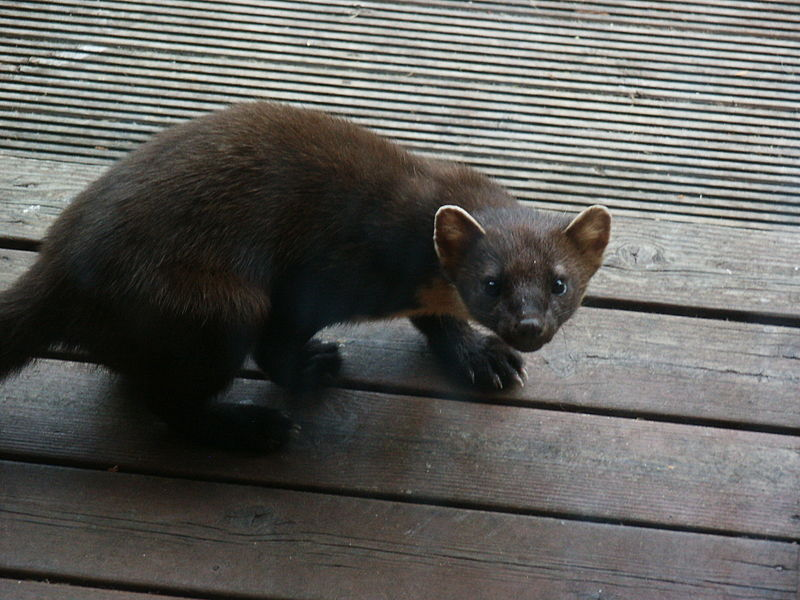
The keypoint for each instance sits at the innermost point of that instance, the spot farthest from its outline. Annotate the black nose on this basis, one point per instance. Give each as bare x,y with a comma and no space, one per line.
530,327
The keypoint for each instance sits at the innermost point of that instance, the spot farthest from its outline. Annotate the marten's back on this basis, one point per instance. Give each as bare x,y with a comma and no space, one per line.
231,198
264,172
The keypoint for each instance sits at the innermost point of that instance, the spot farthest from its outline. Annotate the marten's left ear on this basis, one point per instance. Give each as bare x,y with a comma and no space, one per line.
454,231
590,232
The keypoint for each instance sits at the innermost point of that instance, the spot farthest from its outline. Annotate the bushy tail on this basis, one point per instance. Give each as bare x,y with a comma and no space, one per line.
28,319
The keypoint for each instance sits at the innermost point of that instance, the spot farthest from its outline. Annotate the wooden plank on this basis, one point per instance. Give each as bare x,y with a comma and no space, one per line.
550,126
534,144
670,192
718,197
726,115
20,589
528,174
538,145
542,153
438,56
656,261
649,261
629,363
602,360
757,88
581,15
473,140
203,538
744,18
427,20
425,449
607,102
549,186
31,199
446,72
542,66
768,127
735,78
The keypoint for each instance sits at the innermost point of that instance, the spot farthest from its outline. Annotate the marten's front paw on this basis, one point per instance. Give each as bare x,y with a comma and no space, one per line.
491,364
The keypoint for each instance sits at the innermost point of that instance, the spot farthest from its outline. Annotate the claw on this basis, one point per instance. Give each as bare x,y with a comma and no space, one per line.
498,383
519,380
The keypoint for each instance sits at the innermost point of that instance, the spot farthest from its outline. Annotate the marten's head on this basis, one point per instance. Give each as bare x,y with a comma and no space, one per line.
519,272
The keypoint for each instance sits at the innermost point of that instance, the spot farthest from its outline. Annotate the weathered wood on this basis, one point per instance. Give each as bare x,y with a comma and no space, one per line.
769,19
667,263
766,138
709,81
536,174
760,104
624,187
249,541
727,96
650,365
602,359
418,448
701,158
741,123
491,29
19,589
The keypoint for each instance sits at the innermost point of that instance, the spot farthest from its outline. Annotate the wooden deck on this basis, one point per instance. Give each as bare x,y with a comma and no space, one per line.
654,454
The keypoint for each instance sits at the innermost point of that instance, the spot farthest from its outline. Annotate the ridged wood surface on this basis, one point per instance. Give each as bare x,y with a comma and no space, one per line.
565,102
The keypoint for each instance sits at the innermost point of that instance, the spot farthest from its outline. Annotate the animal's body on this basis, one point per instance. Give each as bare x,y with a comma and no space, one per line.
248,230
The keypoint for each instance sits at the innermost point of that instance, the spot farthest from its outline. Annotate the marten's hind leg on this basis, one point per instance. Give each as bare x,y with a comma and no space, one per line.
183,375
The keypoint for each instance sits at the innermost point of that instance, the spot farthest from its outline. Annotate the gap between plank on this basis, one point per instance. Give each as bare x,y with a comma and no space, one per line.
695,312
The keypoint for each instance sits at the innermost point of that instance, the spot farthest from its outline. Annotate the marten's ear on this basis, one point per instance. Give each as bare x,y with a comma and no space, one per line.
590,232
454,231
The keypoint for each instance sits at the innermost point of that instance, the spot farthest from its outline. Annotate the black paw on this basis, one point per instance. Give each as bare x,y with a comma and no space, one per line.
243,427
317,366
488,363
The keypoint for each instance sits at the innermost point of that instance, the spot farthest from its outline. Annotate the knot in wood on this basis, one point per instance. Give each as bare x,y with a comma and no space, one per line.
637,255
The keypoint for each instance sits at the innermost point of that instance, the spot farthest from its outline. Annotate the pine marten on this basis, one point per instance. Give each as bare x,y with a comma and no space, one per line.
246,231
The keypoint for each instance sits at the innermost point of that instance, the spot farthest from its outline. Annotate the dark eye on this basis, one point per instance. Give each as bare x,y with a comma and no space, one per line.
491,285
559,287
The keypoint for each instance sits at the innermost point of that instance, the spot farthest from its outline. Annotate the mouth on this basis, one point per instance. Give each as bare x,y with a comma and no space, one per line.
527,345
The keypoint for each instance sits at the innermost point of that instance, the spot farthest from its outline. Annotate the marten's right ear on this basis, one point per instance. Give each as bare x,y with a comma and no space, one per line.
454,231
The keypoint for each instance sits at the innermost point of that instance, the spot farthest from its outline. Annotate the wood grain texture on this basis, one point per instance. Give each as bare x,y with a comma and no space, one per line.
530,175
772,20
632,363
667,75
418,448
660,262
245,541
539,93
605,360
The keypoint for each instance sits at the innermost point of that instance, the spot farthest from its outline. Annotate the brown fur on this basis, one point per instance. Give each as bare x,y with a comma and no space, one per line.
248,230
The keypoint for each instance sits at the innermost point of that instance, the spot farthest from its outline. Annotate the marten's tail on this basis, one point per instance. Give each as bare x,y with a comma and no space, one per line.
28,318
